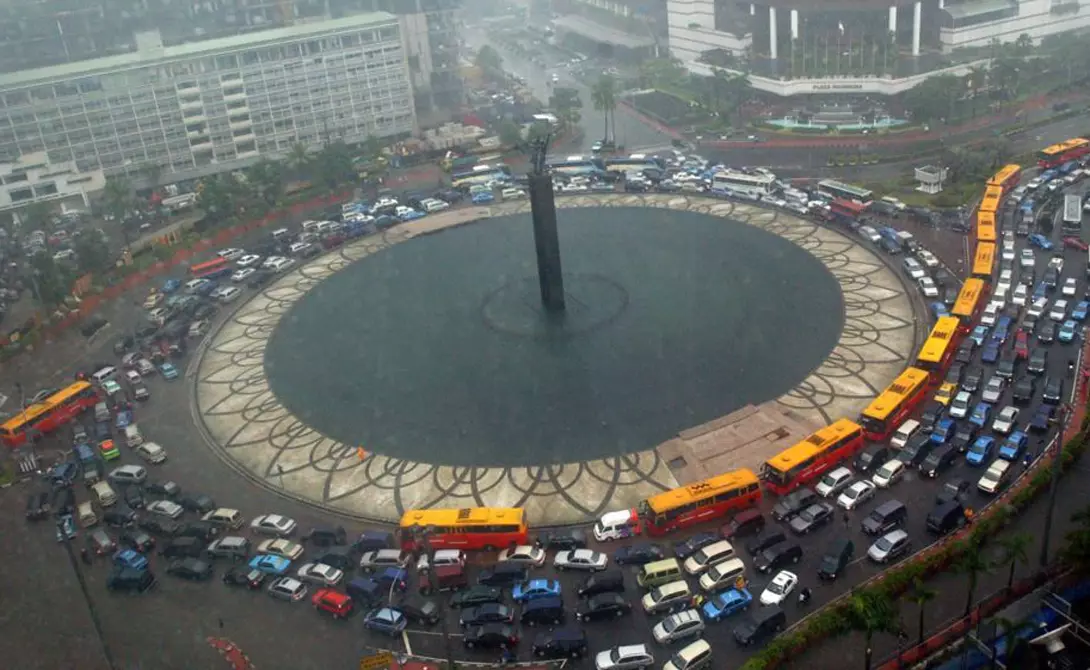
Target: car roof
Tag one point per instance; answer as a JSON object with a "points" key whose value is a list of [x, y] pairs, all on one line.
{"points": [[895, 535]]}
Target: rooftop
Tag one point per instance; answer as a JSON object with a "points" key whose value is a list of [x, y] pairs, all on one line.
{"points": [[189, 50]]}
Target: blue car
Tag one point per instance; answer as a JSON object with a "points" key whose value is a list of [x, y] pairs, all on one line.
{"points": [[1042, 418], [171, 285], [411, 215], [124, 418], [1079, 313], [1068, 331], [168, 371], [991, 352], [980, 451], [1041, 291], [132, 559], [979, 334], [943, 431], [727, 603], [939, 311], [269, 564], [396, 578], [980, 414], [483, 198], [386, 620], [1040, 241], [66, 528], [1013, 447], [534, 589], [206, 288]]}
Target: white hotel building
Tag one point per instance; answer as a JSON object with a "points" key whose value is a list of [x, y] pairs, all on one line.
{"points": [[204, 107]]}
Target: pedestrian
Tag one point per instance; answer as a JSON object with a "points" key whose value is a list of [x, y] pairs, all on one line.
{"points": [[221, 624], [85, 555], [847, 519]]}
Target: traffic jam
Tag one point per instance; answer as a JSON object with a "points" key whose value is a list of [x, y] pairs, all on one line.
{"points": [[704, 571]]}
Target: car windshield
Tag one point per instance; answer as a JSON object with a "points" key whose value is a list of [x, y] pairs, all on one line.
{"points": [[887, 471], [670, 625], [883, 544], [853, 492], [776, 587]]}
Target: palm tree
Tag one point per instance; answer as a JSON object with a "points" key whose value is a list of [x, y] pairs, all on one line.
{"points": [[298, 158], [870, 613], [921, 595], [117, 198], [972, 564], [1076, 549], [1015, 551], [1010, 640], [1023, 45], [975, 80], [604, 98], [37, 216]]}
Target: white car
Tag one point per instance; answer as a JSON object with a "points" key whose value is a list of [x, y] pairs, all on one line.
{"points": [[959, 406], [833, 482], [991, 314], [1036, 309], [1004, 420], [580, 559], [1057, 263], [241, 274], [928, 288], [166, 508], [271, 262], [856, 494], [1003, 285], [282, 264], [779, 588], [927, 258], [889, 474], [1021, 292], [283, 548], [320, 573], [230, 254], [870, 233], [159, 314], [1028, 259], [1008, 250], [249, 260], [524, 554], [1070, 287], [273, 524], [914, 269], [229, 294], [624, 657], [151, 452], [1058, 311], [192, 285]]}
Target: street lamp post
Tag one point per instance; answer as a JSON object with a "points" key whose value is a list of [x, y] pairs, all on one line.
{"points": [[67, 541], [1053, 484], [422, 535]]}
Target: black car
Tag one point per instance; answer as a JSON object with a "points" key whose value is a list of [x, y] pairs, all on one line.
{"points": [[201, 530], [1005, 366], [119, 517], [915, 450], [205, 310], [949, 295], [602, 582], [954, 488], [964, 436], [564, 642], [603, 606], [1051, 277], [871, 458], [1046, 334], [813, 517], [965, 351], [134, 497], [1038, 361], [195, 502], [165, 488], [123, 344], [972, 379], [502, 574], [766, 539], [639, 554], [138, 540], [562, 540], [777, 556], [260, 278], [486, 613], [190, 568], [476, 595], [1054, 390], [931, 415], [491, 636], [683, 550], [793, 503], [420, 610], [953, 375], [1024, 389], [161, 527], [245, 576]]}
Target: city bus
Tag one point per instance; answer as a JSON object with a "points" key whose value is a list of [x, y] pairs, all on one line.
{"points": [[48, 415], [848, 210], [699, 502], [836, 189], [985, 227], [483, 528], [633, 163], [577, 166], [984, 261], [806, 461], [1007, 178], [1065, 151], [993, 196], [1072, 221], [480, 174], [888, 410], [939, 349], [970, 303], [733, 182], [213, 269]]}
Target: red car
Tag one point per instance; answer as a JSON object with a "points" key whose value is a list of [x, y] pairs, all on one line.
{"points": [[334, 602], [1076, 243], [1021, 345]]}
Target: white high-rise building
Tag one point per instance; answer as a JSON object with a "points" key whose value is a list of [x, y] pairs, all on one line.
{"points": [[698, 26]]}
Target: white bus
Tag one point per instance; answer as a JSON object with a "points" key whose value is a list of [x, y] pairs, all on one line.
{"points": [[1072, 221], [753, 186]]}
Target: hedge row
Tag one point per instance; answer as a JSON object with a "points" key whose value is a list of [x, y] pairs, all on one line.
{"points": [[833, 619]]}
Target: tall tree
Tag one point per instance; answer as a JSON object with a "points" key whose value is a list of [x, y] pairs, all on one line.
{"points": [[117, 198], [334, 167], [921, 595], [152, 173], [489, 61], [48, 280], [510, 133], [37, 216], [1015, 552], [92, 254], [1076, 549], [298, 158], [870, 613], [266, 180], [972, 565], [604, 98], [1023, 46], [217, 196], [565, 104]]}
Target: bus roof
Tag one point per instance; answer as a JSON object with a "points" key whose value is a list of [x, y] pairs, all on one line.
{"points": [[890, 400], [984, 260], [1066, 145], [942, 335], [469, 516], [1072, 208], [1004, 174], [850, 205], [861, 193], [816, 443], [701, 490], [968, 298], [34, 411]]}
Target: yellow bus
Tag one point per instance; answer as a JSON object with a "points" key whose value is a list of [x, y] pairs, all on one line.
{"points": [[485, 528], [887, 411], [1007, 177], [806, 461], [984, 261], [1065, 151], [992, 197], [48, 415], [970, 302], [699, 502], [939, 349], [985, 227]]}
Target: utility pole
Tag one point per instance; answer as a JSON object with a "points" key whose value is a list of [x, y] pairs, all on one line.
{"points": [[106, 653], [1053, 483]]}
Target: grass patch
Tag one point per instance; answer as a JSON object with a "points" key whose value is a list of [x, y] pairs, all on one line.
{"points": [[904, 189], [7, 475]]}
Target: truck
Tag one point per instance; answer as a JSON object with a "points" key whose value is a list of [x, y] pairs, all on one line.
{"points": [[1072, 214]]}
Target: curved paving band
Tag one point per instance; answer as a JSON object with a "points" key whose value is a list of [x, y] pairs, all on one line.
{"points": [[255, 433]]}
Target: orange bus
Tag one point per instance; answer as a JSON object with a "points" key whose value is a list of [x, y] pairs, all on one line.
{"points": [[806, 461], [1007, 178], [699, 502], [48, 415], [1065, 151], [892, 407], [486, 528], [984, 261], [970, 303], [939, 349], [993, 195], [985, 227], [213, 269]]}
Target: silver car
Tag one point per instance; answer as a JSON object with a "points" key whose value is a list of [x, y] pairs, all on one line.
{"points": [[890, 546], [580, 559], [678, 627], [993, 391]]}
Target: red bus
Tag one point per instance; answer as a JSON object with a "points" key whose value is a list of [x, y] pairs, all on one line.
{"points": [[699, 502], [848, 209], [1007, 178], [1065, 151], [48, 415], [486, 528], [889, 410], [213, 269], [939, 349], [806, 461]]}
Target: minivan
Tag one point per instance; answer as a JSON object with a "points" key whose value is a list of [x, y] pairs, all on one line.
{"points": [[658, 572], [183, 547], [445, 578], [104, 375], [230, 546], [946, 517], [104, 493], [938, 461], [543, 611], [907, 430], [617, 525], [502, 574], [86, 513], [326, 536], [666, 596], [871, 458], [133, 437], [364, 591], [694, 656], [836, 558], [885, 517], [760, 625], [102, 412], [743, 524], [706, 557]]}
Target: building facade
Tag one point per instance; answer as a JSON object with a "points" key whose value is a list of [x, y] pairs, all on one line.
{"points": [[203, 107], [974, 23], [33, 178], [629, 28]]}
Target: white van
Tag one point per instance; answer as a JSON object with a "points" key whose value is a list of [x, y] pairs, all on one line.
{"points": [[512, 194], [107, 373], [104, 493], [435, 205], [906, 431], [706, 557], [281, 234], [102, 412], [132, 376], [890, 200], [86, 513], [133, 437], [311, 226], [617, 525]]}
